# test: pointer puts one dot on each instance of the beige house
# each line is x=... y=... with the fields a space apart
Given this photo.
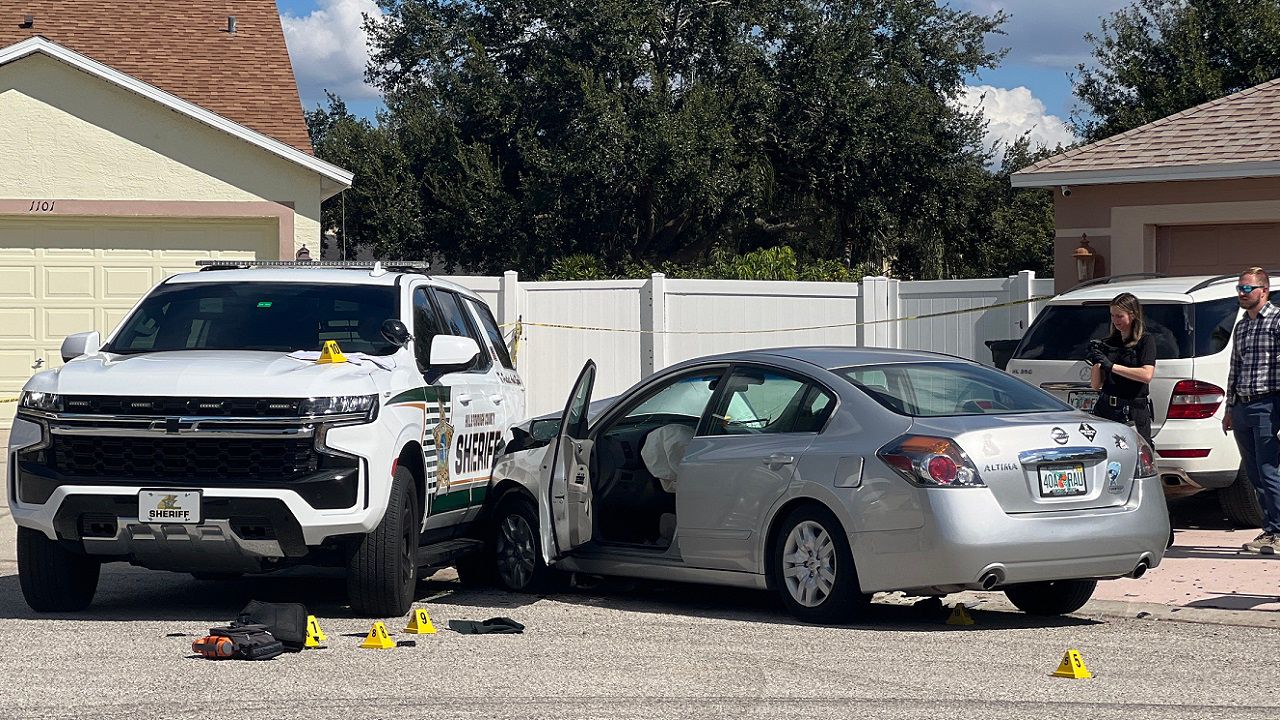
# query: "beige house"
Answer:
x=1196 y=192
x=108 y=183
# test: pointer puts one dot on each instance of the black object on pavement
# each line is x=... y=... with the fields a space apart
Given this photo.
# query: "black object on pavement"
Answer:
x=496 y=625
x=287 y=622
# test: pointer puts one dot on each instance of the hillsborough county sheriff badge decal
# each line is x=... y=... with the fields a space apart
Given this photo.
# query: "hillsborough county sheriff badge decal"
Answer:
x=443 y=436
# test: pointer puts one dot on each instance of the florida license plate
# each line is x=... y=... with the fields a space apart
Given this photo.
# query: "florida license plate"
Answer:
x=1062 y=480
x=1082 y=400
x=169 y=506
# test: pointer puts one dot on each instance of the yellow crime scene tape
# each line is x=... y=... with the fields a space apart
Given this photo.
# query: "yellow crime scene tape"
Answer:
x=519 y=326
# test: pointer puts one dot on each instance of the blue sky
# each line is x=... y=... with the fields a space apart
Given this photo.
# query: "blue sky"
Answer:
x=1030 y=90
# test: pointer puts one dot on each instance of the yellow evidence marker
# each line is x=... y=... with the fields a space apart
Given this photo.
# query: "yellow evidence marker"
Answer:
x=378 y=638
x=331 y=353
x=315 y=635
x=420 y=623
x=1072 y=666
x=960 y=616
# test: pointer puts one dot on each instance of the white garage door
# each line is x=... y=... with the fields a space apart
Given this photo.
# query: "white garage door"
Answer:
x=61 y=276
x=1216 y=249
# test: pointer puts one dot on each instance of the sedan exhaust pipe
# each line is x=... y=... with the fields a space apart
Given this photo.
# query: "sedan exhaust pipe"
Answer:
x=1141 y=569
x=991 y=579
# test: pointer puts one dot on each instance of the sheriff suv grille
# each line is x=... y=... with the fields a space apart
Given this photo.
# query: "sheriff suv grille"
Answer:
x=180 y=458
x=203 y=407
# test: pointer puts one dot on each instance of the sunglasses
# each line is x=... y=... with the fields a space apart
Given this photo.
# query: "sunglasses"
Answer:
x=1246 y=289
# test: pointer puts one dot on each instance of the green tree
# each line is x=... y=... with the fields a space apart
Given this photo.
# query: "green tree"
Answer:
x=381 y=210
x=644 y=132
x=1158 y=57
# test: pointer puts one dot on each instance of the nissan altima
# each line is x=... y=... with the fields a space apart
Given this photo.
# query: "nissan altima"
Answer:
x=828 y=474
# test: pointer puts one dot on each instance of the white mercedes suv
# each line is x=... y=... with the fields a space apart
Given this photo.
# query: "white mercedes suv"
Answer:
x=1191 y=319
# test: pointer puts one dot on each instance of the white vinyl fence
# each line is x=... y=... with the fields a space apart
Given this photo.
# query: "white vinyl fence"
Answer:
x=632 y=328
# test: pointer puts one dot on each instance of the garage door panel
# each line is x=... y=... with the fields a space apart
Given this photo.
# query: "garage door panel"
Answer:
x=71 y=281
x=1216 y=249
x=61 y=322
x=126 y=282
x=60 y=276
x=17 y=323
x=17 y=282
x=15 y=366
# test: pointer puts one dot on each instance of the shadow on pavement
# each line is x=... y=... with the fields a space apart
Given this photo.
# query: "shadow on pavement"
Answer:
x=126 y=593
x=757 y=606
x=1235 y=601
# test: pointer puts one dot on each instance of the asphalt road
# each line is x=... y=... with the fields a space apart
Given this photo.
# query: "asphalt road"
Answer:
x=617 y=650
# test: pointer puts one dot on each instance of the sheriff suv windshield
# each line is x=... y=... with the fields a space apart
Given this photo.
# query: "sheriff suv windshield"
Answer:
x=273 y=317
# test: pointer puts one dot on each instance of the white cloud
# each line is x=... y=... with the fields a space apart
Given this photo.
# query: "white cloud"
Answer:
x=1012 y=112
x=329 y=49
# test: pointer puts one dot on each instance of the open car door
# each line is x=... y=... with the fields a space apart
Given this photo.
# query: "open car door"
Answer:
x=564 y=510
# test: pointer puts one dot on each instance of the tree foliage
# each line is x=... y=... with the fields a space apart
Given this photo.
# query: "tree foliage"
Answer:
x=752 y=138
x=1158 y=57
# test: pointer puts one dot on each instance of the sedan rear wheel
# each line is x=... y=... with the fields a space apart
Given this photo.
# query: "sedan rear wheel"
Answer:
x=1053 y=597
x=813 y=567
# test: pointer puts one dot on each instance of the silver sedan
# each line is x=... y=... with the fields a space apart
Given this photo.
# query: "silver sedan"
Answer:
x=828 y=474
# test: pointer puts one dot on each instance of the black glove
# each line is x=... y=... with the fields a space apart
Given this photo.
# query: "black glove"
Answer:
x=1095 y=357
x=1106 y=364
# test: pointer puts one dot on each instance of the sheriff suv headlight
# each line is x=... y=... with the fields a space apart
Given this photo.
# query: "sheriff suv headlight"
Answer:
x=364 y=405
x=43 y=401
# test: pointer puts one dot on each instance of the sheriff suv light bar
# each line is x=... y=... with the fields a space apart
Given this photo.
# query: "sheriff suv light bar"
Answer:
x=375 y=267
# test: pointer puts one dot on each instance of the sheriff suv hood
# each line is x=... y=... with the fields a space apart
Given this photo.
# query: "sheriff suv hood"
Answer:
x=198 y=373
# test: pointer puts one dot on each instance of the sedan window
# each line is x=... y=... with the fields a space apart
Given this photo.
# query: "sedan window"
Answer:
x=941 y=389
x=763 y=401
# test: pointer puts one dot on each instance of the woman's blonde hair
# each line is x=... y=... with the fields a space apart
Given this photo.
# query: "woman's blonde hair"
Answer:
x=1128 y=303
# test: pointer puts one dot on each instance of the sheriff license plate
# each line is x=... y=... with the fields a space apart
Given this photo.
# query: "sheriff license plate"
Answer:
x=1083 y=400
x=1062 y=480
x=169 y=506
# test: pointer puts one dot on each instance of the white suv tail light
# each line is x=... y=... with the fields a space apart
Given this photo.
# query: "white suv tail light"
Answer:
x=1194 y=400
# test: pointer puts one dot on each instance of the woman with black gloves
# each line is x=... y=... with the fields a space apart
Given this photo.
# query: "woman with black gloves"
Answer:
x=1122 y=367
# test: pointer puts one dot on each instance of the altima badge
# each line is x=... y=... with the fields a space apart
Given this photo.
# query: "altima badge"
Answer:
x=1088 y=432
x=1059 y=436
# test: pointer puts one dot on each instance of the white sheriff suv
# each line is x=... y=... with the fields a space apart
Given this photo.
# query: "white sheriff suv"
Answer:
x=210 y=434
x=1191 y=319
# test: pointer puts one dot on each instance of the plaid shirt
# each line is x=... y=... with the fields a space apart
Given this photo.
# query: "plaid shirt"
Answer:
x=1255 y=354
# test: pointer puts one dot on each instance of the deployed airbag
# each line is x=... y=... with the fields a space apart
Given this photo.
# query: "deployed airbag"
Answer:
x=662 y=452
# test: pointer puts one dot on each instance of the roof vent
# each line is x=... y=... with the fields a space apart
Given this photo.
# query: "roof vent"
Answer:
x=231 y=23
x=28 y=21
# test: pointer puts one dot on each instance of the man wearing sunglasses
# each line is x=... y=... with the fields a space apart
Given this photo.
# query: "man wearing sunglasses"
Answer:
x=1253 y=399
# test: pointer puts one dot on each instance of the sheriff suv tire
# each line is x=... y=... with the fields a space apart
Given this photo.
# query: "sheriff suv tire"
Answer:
x=53 y=578
x=382 y=572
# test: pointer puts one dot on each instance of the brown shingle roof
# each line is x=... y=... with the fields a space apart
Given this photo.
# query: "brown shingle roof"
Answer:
x=182 y=47
x=1236 y=129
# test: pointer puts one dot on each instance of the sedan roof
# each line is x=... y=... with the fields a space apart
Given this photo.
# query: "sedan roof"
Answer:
x=830 y=357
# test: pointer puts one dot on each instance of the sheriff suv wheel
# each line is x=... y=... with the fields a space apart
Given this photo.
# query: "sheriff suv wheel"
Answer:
x=382 y=572
x=53 y=578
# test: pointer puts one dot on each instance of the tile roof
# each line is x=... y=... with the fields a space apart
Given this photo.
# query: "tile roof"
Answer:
x=181 y=47
x=1227 y=137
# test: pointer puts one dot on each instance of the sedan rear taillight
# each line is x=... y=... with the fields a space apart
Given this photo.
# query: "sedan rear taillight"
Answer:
x=930 y=462
x=1194 y=400
x=1146 y=460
